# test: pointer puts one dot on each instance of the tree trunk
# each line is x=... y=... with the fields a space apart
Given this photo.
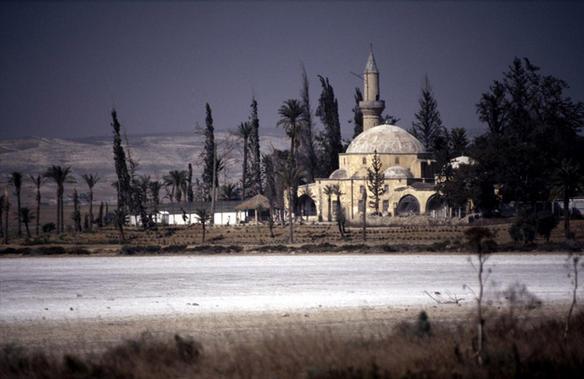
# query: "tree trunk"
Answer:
x=58 y=226
x=290 y=218
x=27 y=230
x=364 y=215
x=38 y=211
x=90 y=208
x=214 y=186
x=480 y=326
x=244 y=175
x=6 y=205
x=203 y=237
x=575 y=262
x=330 y=205
x=567 y=233
x=18 y=210
x=62 y=210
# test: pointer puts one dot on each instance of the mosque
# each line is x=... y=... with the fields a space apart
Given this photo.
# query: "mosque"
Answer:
x=408 y=169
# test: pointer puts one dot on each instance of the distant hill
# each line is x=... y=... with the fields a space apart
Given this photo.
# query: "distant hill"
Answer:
x=156 y=155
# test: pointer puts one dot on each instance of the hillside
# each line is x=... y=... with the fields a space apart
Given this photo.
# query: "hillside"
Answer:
x=156 y=155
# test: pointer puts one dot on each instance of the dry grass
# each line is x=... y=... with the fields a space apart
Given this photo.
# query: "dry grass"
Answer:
x=518 y=345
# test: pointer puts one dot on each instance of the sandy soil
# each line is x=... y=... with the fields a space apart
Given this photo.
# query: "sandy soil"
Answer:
x=91 y=335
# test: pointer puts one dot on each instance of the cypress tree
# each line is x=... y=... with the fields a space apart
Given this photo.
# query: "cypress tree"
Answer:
x=208 y=154
x=375 y=182
x=330 y=139
x=190 y=194
x=255 y=170
x=427 y=126
x=308 y=159
x=124 y=182
x=357 y=114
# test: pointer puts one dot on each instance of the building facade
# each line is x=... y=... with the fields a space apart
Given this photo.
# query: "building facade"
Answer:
x=408 y=169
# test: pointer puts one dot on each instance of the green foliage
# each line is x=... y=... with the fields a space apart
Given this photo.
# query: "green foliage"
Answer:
x=245 y=130
x=532 y=125
x=49 y=227
x=308 y=158
x=255 y=172
x=524 y=228
x=121 y=164
x=375 y=181
x=329 y=139
x=357 y=114
x=208 y=153
x=545 y=224
x=427 y=126
x=480 y=239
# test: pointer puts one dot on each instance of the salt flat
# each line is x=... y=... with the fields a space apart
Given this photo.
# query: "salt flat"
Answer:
x=77 y=288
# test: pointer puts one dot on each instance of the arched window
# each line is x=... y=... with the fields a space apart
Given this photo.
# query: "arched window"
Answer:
x=364 y=160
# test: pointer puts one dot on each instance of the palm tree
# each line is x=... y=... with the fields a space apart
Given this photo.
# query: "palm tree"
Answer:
x=245 y=129
x=229 y=191
x=38 y=181
x=5 y=209
x=155 y=187
x=336 y=190
x=328 y=191
x=60 y=175
x=567 y=182
x=289 y=178
x=16 y=181
x=26 y=217
x=291 y=120
x=91 y=180
x=204 y=217
x=177 y=181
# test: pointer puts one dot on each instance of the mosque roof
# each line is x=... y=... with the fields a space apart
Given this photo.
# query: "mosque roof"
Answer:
x=340 y=173
x=385 y=139
x=397 y=172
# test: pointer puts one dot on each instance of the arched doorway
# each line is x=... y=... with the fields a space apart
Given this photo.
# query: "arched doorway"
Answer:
x=306 y=206
x=436 y=206
x=408 y=206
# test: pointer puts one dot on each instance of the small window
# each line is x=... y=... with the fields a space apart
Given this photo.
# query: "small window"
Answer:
x=361 y=189
x=385 y=205
x=396 y=160
x=364 y=160
x=386 y=188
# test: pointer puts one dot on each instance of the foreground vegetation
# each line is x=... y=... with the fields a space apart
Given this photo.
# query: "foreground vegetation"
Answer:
x=517 y=345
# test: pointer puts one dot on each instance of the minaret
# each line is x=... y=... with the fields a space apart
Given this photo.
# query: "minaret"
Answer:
x=371 y=106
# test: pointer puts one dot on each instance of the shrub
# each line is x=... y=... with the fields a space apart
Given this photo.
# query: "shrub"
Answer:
x=49 y=227
x=545 y=224
x=133 y=250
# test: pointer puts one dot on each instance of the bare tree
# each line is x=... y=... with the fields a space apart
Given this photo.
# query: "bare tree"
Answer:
x=574 y=266
x=204 y=217
x=481 y=242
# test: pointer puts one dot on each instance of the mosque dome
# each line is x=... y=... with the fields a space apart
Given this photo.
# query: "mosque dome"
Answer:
x=340 y=173
x=397 y=172
x=385 y=139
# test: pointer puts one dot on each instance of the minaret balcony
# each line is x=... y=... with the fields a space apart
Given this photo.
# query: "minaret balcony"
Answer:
x=372 y=104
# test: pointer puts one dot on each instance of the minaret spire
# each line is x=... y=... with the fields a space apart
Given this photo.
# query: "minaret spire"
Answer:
x=371 y=106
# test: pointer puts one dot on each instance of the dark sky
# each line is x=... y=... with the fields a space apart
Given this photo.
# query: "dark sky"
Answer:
x=64 y=65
